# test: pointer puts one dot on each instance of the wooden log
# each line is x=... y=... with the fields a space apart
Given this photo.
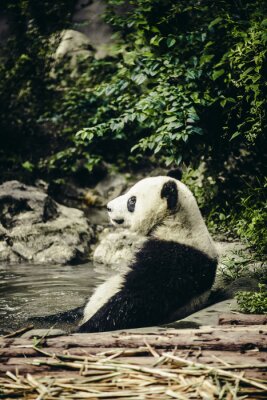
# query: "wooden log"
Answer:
x=242 y=319
x=230 y=356
x=207 y=338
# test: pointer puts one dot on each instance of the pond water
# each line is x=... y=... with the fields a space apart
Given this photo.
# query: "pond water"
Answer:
x=35 y=290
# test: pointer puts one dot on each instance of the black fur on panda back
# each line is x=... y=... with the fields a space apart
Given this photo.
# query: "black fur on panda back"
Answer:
x=164 y=277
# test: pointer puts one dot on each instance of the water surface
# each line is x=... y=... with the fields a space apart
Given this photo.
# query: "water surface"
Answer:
x=35 y=290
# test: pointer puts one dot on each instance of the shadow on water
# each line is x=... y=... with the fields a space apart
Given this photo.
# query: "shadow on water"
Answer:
x=30 y=291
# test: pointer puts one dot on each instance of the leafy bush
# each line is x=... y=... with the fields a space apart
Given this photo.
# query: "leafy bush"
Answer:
x=251 y=220
x=75 y=107
x=245 y=217
x=190 y=76
x=185 y=77
x=253 y=302
x=25 y=90
x=235 y=205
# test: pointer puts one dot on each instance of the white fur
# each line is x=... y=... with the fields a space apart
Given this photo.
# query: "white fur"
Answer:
x=187 y=225
x=101 y=295
x=151 y=216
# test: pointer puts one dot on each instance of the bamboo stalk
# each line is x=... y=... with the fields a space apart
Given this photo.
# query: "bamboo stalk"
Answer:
x=218 y=371
x=19 y=332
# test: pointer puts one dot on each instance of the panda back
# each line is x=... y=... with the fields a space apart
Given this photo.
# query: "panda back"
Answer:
x=165 y=277
x=164 y=264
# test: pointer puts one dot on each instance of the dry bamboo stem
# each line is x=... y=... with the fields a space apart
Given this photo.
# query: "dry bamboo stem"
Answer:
x=218 y=371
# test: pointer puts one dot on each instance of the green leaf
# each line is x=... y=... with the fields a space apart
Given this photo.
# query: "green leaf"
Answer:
x=176 y=125
x=170 y=119
x=155 y=40
x=235 y=135
x=196 y=130
x=84 y=134
x=140 y=78
x=171 y=42
x=217 y=73
x=129 y=57
x=135 y=147
x=158 y=148
x=215 y=22
x=168 y=161
x=205 y=58
x=179 y=159
x=28 y=166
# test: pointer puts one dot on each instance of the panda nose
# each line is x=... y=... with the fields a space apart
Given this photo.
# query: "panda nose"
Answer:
x=109 y=209
x=119 y=221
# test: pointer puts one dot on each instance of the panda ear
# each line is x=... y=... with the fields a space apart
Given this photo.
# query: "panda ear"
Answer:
x=175 y=173
x=169 y=192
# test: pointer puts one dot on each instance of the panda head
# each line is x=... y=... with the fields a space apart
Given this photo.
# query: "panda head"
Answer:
x=146 y=204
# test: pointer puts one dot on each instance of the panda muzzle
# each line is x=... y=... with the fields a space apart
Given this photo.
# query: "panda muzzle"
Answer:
x=118 y=221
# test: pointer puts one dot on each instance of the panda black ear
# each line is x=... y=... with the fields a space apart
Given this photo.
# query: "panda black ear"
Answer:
x=169 y=191
x=175 y=173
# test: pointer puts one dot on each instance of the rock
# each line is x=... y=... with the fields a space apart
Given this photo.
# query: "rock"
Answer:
x=67 y=193
x=237 y=269
x=207 y=316
x=42 y=185
x=117 y=249
x=34 y=228
x=98 y=216
x=111 y=186
x=41 y=333
x=73 y=47
x=226 y=249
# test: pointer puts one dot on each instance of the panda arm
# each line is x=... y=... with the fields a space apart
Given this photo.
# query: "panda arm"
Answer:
x=125 y=310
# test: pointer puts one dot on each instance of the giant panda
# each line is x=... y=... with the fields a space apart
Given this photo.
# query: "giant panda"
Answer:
x=172 y=272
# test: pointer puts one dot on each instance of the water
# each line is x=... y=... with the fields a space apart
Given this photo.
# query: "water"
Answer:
x=34 y=290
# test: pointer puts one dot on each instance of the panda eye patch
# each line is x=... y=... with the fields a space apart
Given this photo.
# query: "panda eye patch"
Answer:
x=131 y=204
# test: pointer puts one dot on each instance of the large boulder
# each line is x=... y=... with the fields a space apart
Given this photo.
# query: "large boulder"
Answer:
x=34 y=228
x=74 y=44
x=111 y=186
x=73 y=47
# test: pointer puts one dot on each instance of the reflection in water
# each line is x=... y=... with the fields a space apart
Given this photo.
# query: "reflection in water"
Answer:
x=36 y=290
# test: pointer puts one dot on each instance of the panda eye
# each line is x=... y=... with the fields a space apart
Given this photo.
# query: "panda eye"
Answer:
x=131 y=204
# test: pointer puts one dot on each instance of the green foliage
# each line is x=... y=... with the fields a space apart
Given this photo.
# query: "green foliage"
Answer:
x=251 y=220
x=25 y=64
x=75 y=106
x=244 y=217
x=235 y=266
x=239 y=210
x=203 y=185
x=253 y=302
x=189 y=76
x=241 y=263
x=185 y=77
